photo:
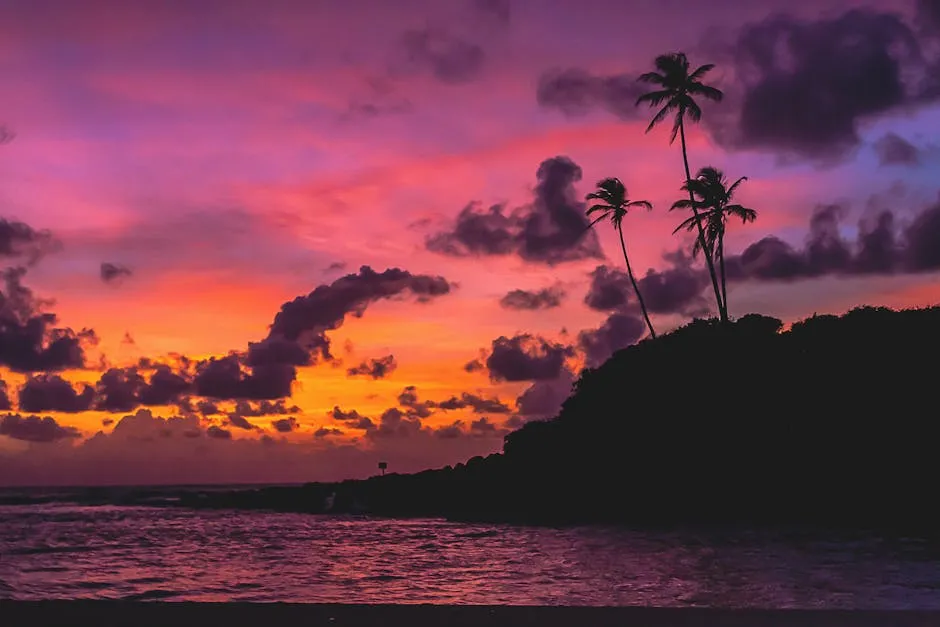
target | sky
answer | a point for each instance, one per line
(282, 241)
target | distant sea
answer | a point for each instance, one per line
(56, 548)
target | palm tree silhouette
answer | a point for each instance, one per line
(677, 90)
(710, 192)
(614, 205)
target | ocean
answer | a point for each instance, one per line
(61, 550)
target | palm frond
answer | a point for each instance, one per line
(734, 186)
(738, 211)
(672, 63)
(641, 203)
(712, 93)
(660, 116)
(652, 77)
(688, 224)
(655, 98)
(595, 221)
(604, 208)
(701, 71)
(695, 112)
(677, 125)
(684, 203)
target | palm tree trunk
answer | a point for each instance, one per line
(721, 270)
(636, 288)
(722, 313)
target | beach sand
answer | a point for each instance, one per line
(169, 614)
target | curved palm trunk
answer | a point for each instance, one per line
(636, 288)
(722, 312)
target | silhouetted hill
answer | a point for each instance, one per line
(833, 421)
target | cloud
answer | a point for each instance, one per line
(543, 399)
(19, 241)
(618, 331)
(305, 319)
(806, 85)
(893, 149)
(285, 425)
(30, 341)
(546, 298)
(478, 404)
(49, 392)
(474, 365)
(374, 368)
(447, 58)
(677, 289)
(218, 433)
(415, 408)
(551, 230)
(35, 429)
(230, 378)
(112, 271)
(883, 246)
(149, 449)
(575, 92)
(323, 432)
(526, 357)
(353, 418)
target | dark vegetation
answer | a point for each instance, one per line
(829, 423)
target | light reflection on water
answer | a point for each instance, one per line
(66, 551)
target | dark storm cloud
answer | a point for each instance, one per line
(883, 246)
(35, 429)
(806, 85)
(49, 392)
(374, 368)
(526, 357)
(895, 150)
(618, 331)
(546, 298)
(20, 241)
(575, 92)
(551, 230)
(447, 58)
(240, 422)
(112, 271)
(263, 408)
(30, 341)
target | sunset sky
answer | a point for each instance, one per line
(306, 236)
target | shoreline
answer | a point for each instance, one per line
(182, 614)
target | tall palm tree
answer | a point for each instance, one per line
(614, 206)
(676, 90)
(711, 194)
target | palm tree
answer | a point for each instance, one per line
(677, 88)
(710, 192)
(614, 205)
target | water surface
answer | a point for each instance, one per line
(58, 550)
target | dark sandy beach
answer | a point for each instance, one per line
(146, 614)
